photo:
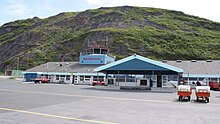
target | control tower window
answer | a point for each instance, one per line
(104, 51)
(97, 51)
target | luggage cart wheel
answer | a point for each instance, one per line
(207, 100)
(180, 98)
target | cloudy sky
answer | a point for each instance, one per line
(11, 10)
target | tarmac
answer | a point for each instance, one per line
(29, 103)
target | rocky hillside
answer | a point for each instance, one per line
(154, 33)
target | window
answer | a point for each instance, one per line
(153, 78)
(110, 81)
(121, 79)
(46, 75)
(101, 78)
(130, 78)
(214, 79)
(96, 78)
(193, 79)
(62, 78)
(87, 78)
(68, 77)
(57, 77)
(144, 82)
(81, 78)
(111, 76)
(172, 78)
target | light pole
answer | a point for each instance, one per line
(188, 71)
(17, 65)
(47, 70)
(6, 70)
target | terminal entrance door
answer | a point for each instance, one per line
(164, 80)
(73, 79)
(111, 81)
(159, 81)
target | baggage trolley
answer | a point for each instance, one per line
(202, 93)
(184, 92)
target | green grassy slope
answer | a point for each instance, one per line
(154, 33)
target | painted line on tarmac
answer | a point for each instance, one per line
(56, 116)
(100, 97)
(87, 96)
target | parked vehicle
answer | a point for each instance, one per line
(41, 80)
(94, 83)
(202, 93)
(214, 85)
(184, 92)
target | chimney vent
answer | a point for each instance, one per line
(178, 60)
(193, 61)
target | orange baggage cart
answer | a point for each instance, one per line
(184, 92)
(202, 93)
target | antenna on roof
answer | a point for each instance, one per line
(88, 43)
(135, 55)
(178, 60)
(193, 61)
(164, 61)
(106, 42)
(209, 60)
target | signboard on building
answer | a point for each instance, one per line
(91, 59)
(95, 59)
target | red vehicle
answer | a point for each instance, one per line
(214, 85)
(41, 80)
(202, 93)
(184, 92)
(94, 83)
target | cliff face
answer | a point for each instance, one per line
(154, 33)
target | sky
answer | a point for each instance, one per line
(11, 10)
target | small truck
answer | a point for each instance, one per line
(94, 83)
(41, 80)
(214, 85)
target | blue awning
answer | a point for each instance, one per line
(137, 62)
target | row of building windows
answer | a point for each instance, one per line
(62, 77)
(87, 78)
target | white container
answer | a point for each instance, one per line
(202, 89)
(184, 88)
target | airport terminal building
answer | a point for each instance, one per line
(132, 71)
(73, 72)
(203, 71)
(138, 71)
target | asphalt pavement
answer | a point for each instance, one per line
(29, 103)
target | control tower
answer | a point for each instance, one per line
(95, 55)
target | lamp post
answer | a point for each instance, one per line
(6, 70)
(188, 72)
(47, 71)
(17, 66)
